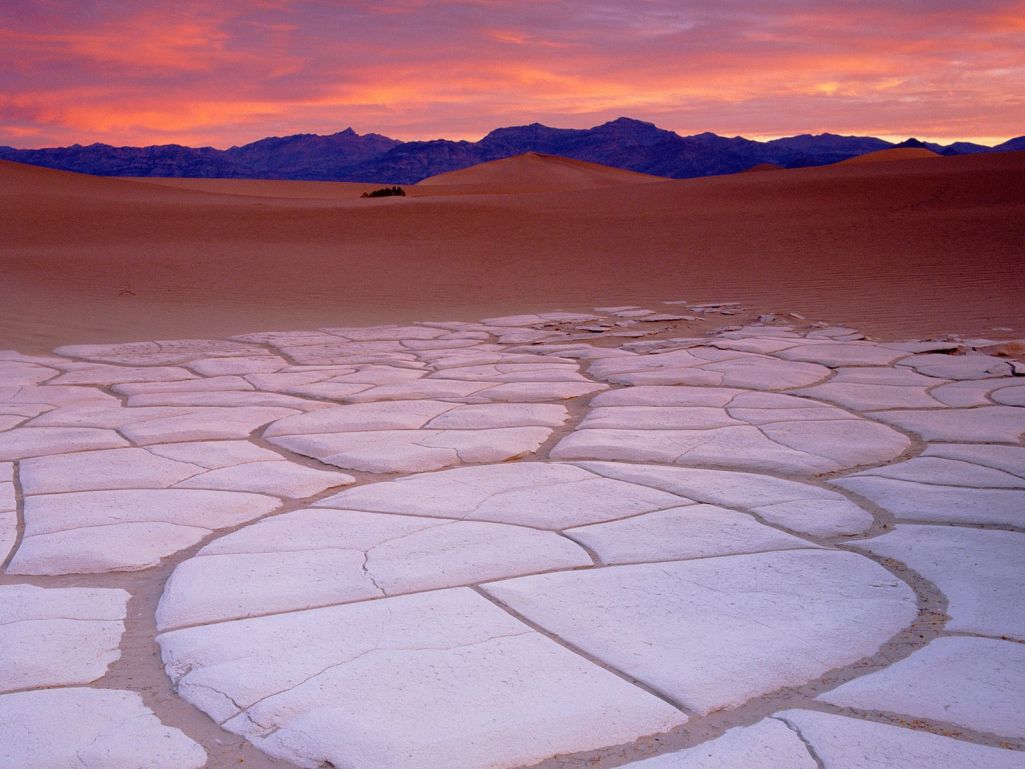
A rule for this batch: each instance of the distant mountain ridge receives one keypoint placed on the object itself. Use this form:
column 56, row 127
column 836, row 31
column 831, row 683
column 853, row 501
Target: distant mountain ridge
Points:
column 625, row 143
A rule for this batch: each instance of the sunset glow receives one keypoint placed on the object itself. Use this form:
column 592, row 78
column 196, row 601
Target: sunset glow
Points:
column 200, row 72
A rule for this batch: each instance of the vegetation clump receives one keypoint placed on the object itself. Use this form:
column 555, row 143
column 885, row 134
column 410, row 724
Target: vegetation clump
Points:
column 384, row 192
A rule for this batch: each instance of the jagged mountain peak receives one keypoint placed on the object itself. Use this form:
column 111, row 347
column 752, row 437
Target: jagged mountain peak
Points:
column 629, row 121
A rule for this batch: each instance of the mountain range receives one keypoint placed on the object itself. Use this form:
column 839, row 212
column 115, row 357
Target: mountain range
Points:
column 347, row 156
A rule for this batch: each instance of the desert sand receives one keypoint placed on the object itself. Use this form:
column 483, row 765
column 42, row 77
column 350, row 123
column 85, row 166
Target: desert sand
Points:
column 531, row 172
column 917, row 246
column 645, row 532
column 890, row 155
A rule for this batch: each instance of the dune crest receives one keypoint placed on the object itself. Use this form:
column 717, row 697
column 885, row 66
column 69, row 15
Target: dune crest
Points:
column 762, row 167
column 886, row 156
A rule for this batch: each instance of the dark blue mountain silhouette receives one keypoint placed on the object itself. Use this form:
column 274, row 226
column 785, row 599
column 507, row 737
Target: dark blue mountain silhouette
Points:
column 348, row 156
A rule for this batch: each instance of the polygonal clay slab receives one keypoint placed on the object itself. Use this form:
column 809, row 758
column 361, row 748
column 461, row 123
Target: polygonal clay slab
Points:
column 23, row 442
column 967, row 393
column 17, row 374
column 416, row 389
column 58, row 636
column 413, row 415
column 89, row 729
column 541, row 495
column 124, row 530
column 986, row 424
column 214, row 454
column 108, row 469
column 555, row 495
column 729, row 428
column 533, row 392
column 1011, row 396
column 320, row 557
column 800, row 507
column 853, row 743
column 224, row 398
column 1010, row 459
column 8, row 510
column 111, row 416
column 160, row 352
column 442, row 679
column 802, row 449
column 979, row 571
column 958, row 366
column 538, row 370
column 215, row 384
column 939, row 471
column 281, row 479
column 713, row 633
column 102, row 374
column 693, row 531
column 708, row 366
column 976, row 683
column 867, row 396
column 767, row 744
column 220, row 465
column 204, row 424
column 255, row 364
column 405, row 451
column 835, row 354
column 54, row 395
column 925, row 502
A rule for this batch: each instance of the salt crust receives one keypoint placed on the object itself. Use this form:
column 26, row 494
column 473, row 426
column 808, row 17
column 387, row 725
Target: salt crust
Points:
column 58, row 636
column 714, row 633
column 853, row 743
column 767, row 744
column 90, row 729
column 979, row 571
column 436, row 673
column 976, row 683
column 166, row 454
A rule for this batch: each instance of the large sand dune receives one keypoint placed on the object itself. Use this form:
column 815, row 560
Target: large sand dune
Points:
column 913, row 246
column 533, row 172
column 895, row 153
column 530, row 172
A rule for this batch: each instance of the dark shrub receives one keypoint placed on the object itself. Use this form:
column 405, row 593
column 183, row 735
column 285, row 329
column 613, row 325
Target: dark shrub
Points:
column 384, row 192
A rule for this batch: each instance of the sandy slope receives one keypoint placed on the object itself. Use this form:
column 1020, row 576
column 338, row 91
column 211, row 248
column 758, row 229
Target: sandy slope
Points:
column 764, row 167
column 267, row 188
column 886, row 156
column 905, row 247
column 531, row 172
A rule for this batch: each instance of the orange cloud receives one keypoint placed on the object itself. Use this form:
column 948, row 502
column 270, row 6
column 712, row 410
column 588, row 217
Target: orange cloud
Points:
column 199, row 71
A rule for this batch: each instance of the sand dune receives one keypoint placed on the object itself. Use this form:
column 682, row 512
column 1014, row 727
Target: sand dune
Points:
column 888, row 156
column 534, row 172
column 530, row 172
column 915, row 246
column 764, row 167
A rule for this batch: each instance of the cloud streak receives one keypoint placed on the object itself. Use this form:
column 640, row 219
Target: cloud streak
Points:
column 204, row 72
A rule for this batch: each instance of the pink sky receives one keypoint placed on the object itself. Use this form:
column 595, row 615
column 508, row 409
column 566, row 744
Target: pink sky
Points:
column 204, row 72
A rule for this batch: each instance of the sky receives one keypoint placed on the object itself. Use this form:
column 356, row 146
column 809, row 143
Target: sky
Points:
column 218, row 73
